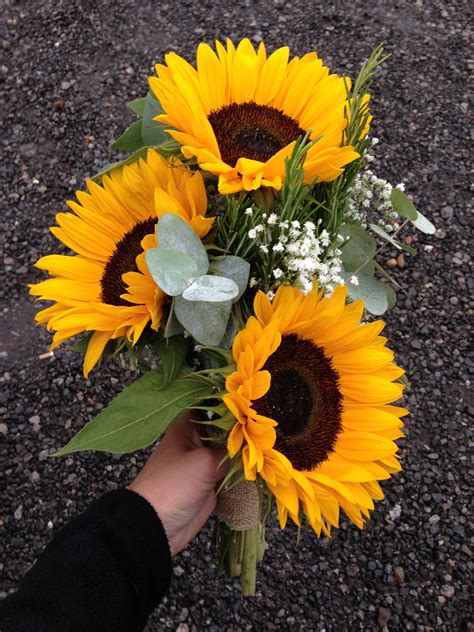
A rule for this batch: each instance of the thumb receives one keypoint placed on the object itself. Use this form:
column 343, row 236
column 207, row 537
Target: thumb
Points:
column 209, row 464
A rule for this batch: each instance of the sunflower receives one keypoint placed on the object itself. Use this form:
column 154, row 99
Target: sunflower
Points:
column 106, row 287
column 311, row 395
column 240, row 112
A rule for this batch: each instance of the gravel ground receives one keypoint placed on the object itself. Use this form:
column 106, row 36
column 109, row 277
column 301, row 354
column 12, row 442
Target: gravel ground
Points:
column 68, row 70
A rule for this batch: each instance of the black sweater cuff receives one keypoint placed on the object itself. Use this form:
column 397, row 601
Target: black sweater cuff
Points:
column 139, row 541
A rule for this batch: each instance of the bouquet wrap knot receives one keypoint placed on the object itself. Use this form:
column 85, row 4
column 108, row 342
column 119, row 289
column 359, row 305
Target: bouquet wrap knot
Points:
column 239, row 506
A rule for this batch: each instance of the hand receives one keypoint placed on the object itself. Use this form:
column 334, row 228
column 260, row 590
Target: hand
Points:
column 179, row 481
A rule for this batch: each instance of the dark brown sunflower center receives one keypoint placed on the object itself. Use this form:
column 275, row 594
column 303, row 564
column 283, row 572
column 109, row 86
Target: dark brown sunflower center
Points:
column 122, row 260
column 250, row 130
column 305, row 400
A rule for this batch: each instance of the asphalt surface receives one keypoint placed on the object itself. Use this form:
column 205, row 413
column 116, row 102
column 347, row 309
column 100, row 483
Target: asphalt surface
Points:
column 68, row 68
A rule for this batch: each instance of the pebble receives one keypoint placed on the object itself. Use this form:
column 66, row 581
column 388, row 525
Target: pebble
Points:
column 399, row 575
column 183, row 615
column 383, row 617
column 447, row 591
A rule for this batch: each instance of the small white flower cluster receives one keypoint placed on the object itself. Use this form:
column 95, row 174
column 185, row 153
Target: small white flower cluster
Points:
column 300, row 254
column 369, row 199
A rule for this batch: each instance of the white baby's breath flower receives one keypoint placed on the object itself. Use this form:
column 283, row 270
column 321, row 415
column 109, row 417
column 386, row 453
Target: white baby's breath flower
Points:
column 354, row 280
column 252, row 233
column 277, row 273
column 278, row 247
column 273, row 218
column 252, row 282
column 270, row 295
column 248, row 210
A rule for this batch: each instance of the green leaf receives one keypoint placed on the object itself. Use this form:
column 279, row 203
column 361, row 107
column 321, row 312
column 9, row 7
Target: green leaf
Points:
column 423, row 223
column 391, row 296
column 80, row 346
column 172, row 270
column 376, row 295
column 206, row 322
column 137, row 106
column 139, row 415
column 360, row 248
column 403, row 205
column 135, row 157
column 391, row 240
column 131, row 139
column 172, row 327
column 212, row 289
column 174, row 233
column 171, row 352
column 153, row 132
column 234, row 268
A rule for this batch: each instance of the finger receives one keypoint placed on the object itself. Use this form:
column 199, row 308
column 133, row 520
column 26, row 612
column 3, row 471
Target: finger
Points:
column 180, row 436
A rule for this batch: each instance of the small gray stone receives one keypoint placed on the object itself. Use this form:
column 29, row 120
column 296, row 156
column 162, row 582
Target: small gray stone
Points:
column 447, row 591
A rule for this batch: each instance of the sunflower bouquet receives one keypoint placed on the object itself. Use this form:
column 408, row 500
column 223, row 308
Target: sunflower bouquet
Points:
column 231, row 257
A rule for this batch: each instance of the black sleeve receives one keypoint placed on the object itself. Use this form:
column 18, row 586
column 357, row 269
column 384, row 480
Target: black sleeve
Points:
column 104, row 572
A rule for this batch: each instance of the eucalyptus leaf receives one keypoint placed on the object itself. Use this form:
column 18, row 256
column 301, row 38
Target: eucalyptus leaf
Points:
column 391, row 296
column 403, row 205
column 131, row 139
column 137, row 106
column 171, row 270
column 234, row 268
column 423, row 223
column 206, row 322
column 360, row 248
column 172, row 353
column 374, row 293
column 212, row 289
column 140, row 414
column 174, row 233
column 153, row 132
column 391, row 240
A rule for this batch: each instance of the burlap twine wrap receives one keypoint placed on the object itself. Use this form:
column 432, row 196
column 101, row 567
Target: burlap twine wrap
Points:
column 239, row 507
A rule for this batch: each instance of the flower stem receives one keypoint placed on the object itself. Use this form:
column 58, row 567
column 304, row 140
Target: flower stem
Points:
column 248, row 575
column 233, row 564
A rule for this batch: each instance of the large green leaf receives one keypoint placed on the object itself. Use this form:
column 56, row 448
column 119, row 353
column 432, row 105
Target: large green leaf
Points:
column 137, row 106
column 153, row 132
column 360, row 248
column 139, row 415
column 172, row 352
column 131, row 139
